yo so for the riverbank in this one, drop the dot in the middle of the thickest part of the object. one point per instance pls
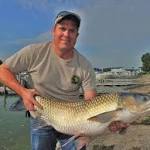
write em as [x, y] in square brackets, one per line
[145, 85]
[136, 137]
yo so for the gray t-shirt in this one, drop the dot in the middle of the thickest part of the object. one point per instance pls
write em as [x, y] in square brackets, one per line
[51, 75]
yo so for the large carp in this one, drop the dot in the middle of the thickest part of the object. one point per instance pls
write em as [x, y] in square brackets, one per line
[91, 117]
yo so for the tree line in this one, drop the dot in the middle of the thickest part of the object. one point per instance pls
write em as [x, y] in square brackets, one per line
[146, 62]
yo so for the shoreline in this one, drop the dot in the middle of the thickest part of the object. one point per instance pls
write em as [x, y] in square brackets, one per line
[136, 137]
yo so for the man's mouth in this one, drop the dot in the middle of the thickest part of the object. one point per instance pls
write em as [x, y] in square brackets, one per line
[65, 40]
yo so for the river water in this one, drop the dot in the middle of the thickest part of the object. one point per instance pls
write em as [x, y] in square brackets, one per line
[14, 127]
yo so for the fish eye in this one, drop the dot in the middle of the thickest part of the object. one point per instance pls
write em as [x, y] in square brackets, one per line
[146, 98]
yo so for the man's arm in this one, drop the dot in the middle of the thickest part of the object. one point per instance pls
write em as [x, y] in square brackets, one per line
[9, 79]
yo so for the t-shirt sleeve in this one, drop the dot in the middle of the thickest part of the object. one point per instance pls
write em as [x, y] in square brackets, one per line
[89, 79]
[21, 60]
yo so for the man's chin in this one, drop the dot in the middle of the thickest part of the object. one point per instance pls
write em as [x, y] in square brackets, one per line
[65, 48]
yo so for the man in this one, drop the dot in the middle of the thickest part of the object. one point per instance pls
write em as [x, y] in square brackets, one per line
[56, 69]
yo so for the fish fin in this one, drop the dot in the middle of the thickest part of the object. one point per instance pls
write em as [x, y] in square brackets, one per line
[81, 141]
[74, 137]
[104, 117]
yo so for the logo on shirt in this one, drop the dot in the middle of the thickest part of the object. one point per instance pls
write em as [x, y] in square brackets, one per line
[75, 80]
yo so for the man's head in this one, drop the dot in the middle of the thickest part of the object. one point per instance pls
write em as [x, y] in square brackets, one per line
[65, 31]
[66, 15]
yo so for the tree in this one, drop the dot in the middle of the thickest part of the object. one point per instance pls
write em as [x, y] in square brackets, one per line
[146, 62]
[106, 69]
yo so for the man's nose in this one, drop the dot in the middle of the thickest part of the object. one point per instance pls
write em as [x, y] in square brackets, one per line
[66, 33]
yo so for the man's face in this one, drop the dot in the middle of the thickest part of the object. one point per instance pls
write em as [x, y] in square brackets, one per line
[65, 35]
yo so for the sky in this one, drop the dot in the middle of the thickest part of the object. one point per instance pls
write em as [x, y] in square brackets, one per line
[113, 33]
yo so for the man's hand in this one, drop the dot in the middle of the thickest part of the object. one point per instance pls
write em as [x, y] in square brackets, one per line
[117, 126]
[8, 78]
[28, 99]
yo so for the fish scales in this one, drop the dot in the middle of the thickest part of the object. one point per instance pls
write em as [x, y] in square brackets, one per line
[64, 115]
[82, 117]
[98, 105]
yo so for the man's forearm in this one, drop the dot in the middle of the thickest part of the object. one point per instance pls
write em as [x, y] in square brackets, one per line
[9, 79]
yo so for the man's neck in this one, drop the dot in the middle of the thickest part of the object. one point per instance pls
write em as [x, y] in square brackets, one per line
[63, 53]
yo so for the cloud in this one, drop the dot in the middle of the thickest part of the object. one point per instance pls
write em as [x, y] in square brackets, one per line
[40, 38]
[11, 46]
[53, 6]
[115, 32]
[40, 5]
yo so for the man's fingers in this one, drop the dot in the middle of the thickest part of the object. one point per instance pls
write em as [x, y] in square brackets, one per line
[31, 107]
[37, 104]
[35, 92]
[29, 101]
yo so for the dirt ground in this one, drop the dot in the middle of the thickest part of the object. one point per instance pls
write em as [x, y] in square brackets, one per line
[136, 137]
[145, 85]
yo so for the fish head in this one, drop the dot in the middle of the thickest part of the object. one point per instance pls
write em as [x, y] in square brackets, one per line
[132, 106]
[135, 102]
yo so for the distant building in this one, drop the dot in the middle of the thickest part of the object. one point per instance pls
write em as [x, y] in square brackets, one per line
[103, 75]
[116, 72]
[97, 70]
[125, 71]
